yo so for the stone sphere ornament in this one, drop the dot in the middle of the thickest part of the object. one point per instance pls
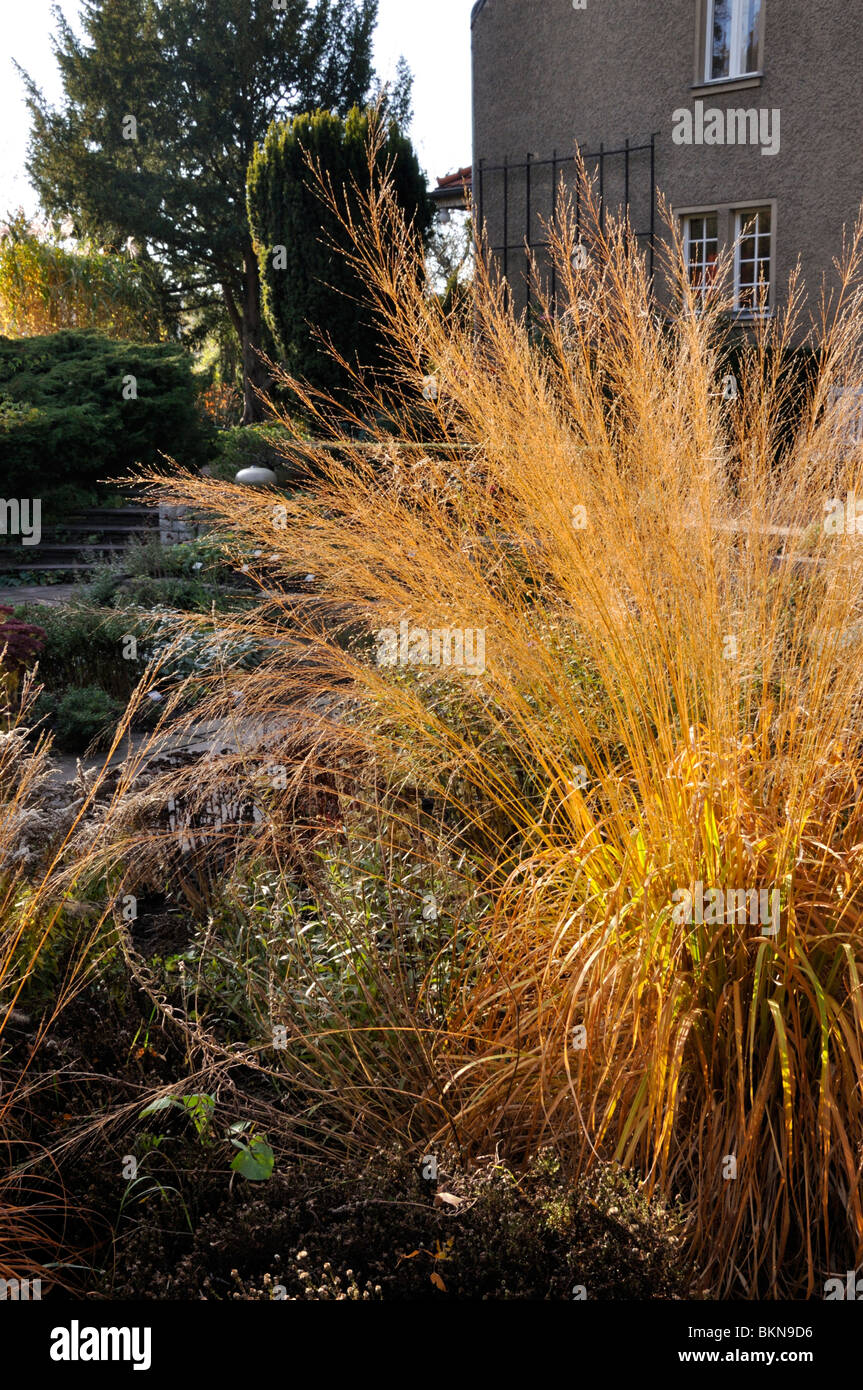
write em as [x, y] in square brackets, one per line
[256, 477]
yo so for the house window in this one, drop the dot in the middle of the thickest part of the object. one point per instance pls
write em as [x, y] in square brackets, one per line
[702, 251]
[733, 38]
[746, 237]
[752, 259]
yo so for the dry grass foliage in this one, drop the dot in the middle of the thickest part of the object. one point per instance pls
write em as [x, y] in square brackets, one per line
[670, 694]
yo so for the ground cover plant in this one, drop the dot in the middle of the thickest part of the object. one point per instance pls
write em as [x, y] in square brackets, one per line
[94, 650]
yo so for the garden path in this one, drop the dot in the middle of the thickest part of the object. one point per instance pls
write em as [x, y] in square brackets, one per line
[51, 594]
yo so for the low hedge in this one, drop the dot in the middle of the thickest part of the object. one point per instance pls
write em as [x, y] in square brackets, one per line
[82, 647]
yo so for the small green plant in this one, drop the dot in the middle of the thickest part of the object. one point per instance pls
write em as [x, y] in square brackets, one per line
[255, 1160]
[80, 716]
[144, 1185]
[199, 1108]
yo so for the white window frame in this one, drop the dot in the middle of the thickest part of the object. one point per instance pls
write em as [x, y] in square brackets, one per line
[702, 291]
[735, 72]
[738, 214]
[727, 215]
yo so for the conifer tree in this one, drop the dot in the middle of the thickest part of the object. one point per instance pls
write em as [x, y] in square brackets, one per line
[307, 285]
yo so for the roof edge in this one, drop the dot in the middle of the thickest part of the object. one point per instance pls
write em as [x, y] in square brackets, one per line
[480, 4]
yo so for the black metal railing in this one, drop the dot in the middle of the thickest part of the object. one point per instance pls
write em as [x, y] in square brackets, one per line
[529, 198]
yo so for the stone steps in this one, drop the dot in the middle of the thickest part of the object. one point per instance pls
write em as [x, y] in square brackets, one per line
[89, 538]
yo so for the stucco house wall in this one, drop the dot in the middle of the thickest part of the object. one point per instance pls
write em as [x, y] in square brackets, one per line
[547, 75]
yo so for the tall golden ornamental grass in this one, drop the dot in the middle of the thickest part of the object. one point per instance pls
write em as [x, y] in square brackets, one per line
[669, 696]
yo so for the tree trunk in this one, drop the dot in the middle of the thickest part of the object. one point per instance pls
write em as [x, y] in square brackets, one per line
[255, 375]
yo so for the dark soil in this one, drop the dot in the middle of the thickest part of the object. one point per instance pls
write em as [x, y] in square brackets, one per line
[371, 1228]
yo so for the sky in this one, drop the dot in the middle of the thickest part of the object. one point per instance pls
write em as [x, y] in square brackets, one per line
[435, 39]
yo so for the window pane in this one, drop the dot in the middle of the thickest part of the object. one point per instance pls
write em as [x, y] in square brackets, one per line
[753, 259]
[733, 33]
[702, 247]
[751, 25]
[720, 65]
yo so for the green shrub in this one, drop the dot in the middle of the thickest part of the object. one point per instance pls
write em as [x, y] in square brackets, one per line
[252, 446]
[187, 576]
[80, 716]
[169, 591]
[84, 648]
[64, 419]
